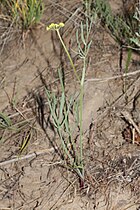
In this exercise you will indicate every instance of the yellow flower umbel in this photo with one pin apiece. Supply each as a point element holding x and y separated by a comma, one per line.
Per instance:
<point>56,27</point>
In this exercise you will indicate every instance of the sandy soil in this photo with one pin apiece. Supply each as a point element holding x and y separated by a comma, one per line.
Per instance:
<point>112,164</point>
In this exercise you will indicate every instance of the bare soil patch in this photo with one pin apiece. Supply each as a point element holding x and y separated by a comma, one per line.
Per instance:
<point>112,161</point>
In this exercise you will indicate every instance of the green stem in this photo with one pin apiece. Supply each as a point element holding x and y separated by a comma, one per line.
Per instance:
<point>69,57</point>
<point>81,115</point>
<point>81,126</point>
<point>65,147</point>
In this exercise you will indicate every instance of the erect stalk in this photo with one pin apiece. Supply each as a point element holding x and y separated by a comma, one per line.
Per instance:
<point>69,57</point>
<point>81,115</point>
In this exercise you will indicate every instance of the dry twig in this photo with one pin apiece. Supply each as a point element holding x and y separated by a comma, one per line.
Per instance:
<point>32,155</point>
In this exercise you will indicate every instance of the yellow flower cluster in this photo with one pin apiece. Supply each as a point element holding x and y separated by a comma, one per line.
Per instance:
<point>54,26</point>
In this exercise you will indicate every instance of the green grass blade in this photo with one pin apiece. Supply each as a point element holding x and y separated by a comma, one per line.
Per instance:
<point>27,138</point>
<point>5,121</point>
<point>129,56</point>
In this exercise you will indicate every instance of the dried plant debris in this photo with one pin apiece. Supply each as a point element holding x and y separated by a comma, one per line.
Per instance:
<point>136,108</point>
<point>132,132</point>
<point>131,136</point>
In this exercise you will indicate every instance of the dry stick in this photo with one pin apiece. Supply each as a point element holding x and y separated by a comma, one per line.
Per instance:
<point>133,136</point>
<point>128,117</point>
<point>114,77</point>
<point>32,155</point>
<point>1,82</point>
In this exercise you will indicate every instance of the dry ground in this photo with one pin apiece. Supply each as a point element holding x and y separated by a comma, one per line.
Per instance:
<point>112,164</point>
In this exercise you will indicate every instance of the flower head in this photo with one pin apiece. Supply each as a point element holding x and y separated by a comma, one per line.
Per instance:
<point>54,26</point>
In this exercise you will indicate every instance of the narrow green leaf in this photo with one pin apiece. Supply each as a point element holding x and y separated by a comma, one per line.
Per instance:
<point>129,56</point>
<point>4,121</point>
